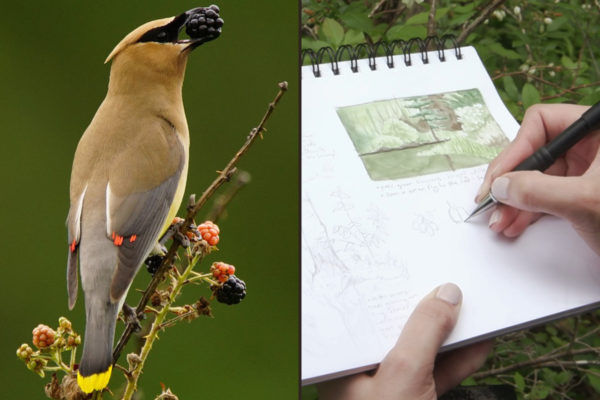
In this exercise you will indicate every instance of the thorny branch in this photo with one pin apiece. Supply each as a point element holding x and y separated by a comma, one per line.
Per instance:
<point>224,176</point>
<point>241,179</point>
<point>550,360</point>
<point>431,19</point>
<point>479,20</point>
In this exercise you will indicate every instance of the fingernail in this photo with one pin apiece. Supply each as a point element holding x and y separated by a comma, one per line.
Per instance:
<point>494,218</point>
<point>450,293</point>
<point>500,188</point>
<point>480,194</point>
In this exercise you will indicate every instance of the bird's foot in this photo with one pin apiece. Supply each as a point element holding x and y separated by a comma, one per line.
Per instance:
<point>182,239</point>
<point>131,318</point>
<point>175,225</point>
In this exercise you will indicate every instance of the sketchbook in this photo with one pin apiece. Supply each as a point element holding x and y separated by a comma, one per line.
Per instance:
<point>395,143</point>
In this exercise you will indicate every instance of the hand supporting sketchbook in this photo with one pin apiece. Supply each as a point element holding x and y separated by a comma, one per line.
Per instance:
<point>392,149</point>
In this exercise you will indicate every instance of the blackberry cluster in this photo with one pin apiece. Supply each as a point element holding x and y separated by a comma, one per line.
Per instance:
<point>205,23</point>
<point>153,263</point>
<point>232,291</point>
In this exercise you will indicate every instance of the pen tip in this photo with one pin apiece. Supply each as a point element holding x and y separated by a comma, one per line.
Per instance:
<point>483,206</point>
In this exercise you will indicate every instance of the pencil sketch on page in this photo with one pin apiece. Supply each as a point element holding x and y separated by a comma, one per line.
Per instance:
<point>344,265</point>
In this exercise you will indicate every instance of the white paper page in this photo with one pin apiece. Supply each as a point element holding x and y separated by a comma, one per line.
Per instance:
<point>371,249</point>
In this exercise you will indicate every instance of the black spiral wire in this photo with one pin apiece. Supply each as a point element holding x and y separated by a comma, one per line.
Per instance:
<point>371,51</point>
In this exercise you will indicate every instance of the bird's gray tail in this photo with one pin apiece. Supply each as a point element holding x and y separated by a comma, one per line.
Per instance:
<point>96,362</point>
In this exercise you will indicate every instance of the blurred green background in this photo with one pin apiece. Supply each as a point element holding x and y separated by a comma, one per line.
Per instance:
<point>53,79</point>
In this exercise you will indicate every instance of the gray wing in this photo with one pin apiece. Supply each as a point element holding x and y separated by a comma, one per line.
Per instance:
<point>135,223</point>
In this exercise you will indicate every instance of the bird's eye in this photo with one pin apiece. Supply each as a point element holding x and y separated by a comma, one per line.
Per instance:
<point>163,34</point>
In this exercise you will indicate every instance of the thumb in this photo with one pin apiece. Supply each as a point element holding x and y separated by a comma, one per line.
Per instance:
<point>537,192</point>
<point>426,329</point>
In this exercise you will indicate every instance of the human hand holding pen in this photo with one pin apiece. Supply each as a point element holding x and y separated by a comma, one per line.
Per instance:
<point>569,189</point>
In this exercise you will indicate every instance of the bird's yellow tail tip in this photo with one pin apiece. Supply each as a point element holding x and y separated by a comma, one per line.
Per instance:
<point>95,381</point>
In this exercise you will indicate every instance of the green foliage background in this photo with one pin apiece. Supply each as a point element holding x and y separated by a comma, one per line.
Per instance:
<point>53,79</point>
<point>535,51</point>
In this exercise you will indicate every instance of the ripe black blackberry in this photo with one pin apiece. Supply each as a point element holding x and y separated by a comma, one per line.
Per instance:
<point>205,23</point>
<point>231,292</point>
<point>153,263</point>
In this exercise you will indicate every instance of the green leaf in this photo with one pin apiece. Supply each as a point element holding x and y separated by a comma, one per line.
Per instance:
<point>353,37</point>
<point>551,330</point>
<point>590,99</point>
<point>540,391</point>
<point>423,17</point>
<point>418,19</point>
<point>593,376</point>
<point>406,32</point>
<point>470,381</point>
<point>308,43</point>
<point>491,380</point>
<point>557,341</point>
<point>549,376</point>
<point>563,377</point>
<point>501,51</point>
<point>530,96</point>
<point>510,87</point>
<point>356,16</point>
<point>331,31</point>
<point>519,382</point>
<point>465,9</point>
<point>558,23</point>
<point>540,337</point>
<point>515,110</point>
<point>459,19</point>
<point>460,14</point>
<point>567,62</point>
<point>377,32</point>
<point>441,13</point>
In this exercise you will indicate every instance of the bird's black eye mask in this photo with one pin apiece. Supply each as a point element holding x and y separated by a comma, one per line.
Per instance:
<point>202,25</point>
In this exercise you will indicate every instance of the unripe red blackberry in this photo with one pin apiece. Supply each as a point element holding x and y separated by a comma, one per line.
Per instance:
<point>43,336</point>
<point>209,231</point>
<point>222,271</point>
<point>231,292</point>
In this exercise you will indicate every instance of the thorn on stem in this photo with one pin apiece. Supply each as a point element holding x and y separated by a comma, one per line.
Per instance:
<point>191,201</point>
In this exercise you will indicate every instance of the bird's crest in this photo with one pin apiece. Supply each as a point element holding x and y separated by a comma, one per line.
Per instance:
<point>136,34</point>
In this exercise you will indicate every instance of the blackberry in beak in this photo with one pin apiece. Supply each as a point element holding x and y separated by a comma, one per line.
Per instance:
<point>202,25</point>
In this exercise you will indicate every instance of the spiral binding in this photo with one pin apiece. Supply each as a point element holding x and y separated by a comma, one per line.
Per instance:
<point>371,51</point>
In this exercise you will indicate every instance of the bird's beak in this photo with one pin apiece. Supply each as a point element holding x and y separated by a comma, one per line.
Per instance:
<point>202,24</point>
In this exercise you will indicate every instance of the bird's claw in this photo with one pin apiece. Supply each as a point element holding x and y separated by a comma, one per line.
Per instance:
<point>182,239</point>
<point>130,317</point>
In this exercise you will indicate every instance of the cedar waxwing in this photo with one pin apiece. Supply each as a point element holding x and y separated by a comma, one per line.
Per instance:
<point>129,175</point>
